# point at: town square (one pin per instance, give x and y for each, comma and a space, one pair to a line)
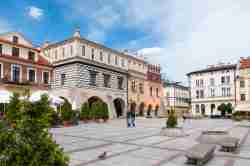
120, 83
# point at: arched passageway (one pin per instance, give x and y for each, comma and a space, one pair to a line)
119, 107
94, 99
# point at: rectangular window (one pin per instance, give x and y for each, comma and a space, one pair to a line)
45, 77
228, 91
83, 50
101, 56
201, 94
120, 83
197, 83
223, 80
228, 79
16, 73
133, 86
223, 91
197, 94
141, 88
211, 81
106, 80
157, 92
109, 58
242, 83
92, 53
15, 51
92, 78
71, 51
1, 49
31, 56
242, 97
151, 91
31, 75
116, 60
63, 79
201, 83
15, 39
212, 92
63, 53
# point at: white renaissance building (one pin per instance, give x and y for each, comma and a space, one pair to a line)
211, 87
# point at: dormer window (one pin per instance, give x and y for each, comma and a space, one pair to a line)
15, 39
31, 56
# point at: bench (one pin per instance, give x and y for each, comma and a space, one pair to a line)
200, 154
229, 144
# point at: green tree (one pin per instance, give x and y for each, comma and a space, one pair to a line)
30, 143
85, 111
105, 111
66, 111
172, 120
13, 109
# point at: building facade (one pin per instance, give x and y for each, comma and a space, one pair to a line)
21, 66
153, 90
243, 86
176, 97
87, 71
137, 69
211, 87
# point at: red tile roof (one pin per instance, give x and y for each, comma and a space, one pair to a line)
41, 61
244, 63
19, 45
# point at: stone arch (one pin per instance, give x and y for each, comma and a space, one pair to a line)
93, 99
149, 110
157, 109
119, 106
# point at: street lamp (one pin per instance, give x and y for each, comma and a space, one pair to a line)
175, 84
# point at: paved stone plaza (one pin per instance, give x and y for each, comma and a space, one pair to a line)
143, 145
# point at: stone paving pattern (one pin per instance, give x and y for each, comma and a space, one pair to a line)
143, 145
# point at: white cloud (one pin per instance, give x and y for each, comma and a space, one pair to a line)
193, 33
35, 12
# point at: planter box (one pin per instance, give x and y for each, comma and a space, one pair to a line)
173, 132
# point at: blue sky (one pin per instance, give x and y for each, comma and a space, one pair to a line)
180, 35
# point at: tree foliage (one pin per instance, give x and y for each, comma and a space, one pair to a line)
29, 143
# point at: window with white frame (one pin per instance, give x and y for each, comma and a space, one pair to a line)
31, 75
15, 73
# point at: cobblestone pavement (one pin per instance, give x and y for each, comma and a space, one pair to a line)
143, 145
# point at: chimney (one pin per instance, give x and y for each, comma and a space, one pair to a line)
77, 33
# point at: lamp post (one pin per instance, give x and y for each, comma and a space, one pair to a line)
175, 84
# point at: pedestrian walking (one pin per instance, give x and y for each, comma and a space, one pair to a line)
133, 118
129, 119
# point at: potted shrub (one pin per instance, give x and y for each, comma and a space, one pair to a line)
85, 112
172, 120
66, 113
105, 112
